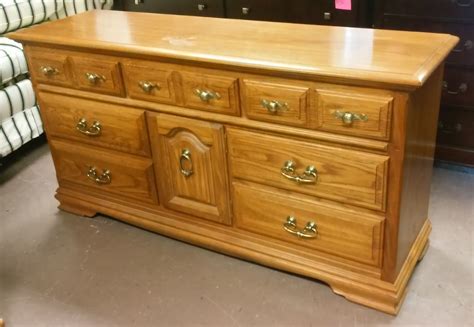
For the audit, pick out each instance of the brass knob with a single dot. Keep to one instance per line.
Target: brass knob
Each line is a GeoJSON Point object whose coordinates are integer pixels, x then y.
{"type": "Point", "coordinates": [349, 117]}
{"type": "Point", "coordinates": [94, 130]}
{"type": "Point", "coordinates": [207, 95]}
{"type": "Point", "coordinates": [245, 11]}
{"type": "Point", "coordinates": [148, 87]}
{"type": "Point", "coordinates": [100, 179]}
{"type": "Point", "coordinates": [202, 7]}
{"type": "Point", "coordinates": [309, 176]}
{"type": "Point", "coordinates": [274, 106]}
{"type": "Point", "coordinates": [94, 78]}
{"type": "Point", "coordinates": [327, 16]}
{"type": "Point", "coordinates": [48, 70]}
{"type": "Point", "coordinates": [309, 231]}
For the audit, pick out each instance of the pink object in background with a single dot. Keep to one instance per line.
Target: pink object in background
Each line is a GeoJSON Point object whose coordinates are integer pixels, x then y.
{"type": "Point", "coordinates": [344, 4]}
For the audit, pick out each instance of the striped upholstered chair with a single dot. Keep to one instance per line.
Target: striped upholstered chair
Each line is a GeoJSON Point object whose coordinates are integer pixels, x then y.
{"type": "Point", "coordinates": [20, 119]}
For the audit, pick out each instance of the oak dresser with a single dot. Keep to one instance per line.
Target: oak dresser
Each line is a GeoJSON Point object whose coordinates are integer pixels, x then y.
{"type": "Point", "coordinates": [304, 148]}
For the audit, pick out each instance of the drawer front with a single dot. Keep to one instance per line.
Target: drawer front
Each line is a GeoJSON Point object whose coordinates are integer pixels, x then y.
{"type": "Point", "coordinates": [210, 92]}
{"type": "Point", "coordinates": [97, 74]}
{"type": "Point", "coordinates": [338, 174]}
{"type": "Point", "coordinates": [149, 81]}
{"type": "Point", "coordinates": [191, 166]}
{"type": "Point", "coordinates": [106, 171]}
{"type": "Point", "coordinates": [276, 102]}
{"type": "Point", "coordinates": [49, 69]}
{"type": "Point", "coordinates": [95, 123]}
{"type": "Point", "coordinates": [432, 8]}
{"type": "Point", "coordinates": [463, 54]}
{"type": "Point", "coordinates": [213, 8]}
{"type": "Point", "coordinates": [359, 112]}
{"type": "Point", "coordinates": [456, 127]}
{"type": "Point", "coordinates": [458, 87]}
{"type": "Point", "coordinates": [282, 215]}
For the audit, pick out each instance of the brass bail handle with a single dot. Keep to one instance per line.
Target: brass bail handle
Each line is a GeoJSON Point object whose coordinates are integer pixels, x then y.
{"type": "Point", "coordinates": [94, 130]}
{"type": "Point", "coordinates": [207, 95]}
{"type": "Point", "coordinates": [309, 231]}
{"type": "Point", "coordinates": [185, 156]}
{"type": "Point", "coordinates": [348, 117]}
{"type": "Point", "coordinates": [94, 78]}
{"type": "Point", "coordinates": [274, 106]}
{"type": "Point", "coordinates": [101, 179]}
{"type": "Point", "coordinates": [309, 176]}
{"type": "Point", "coordinates": [148, 86]}
{"type": "Point", "coordinates": [48, 70]}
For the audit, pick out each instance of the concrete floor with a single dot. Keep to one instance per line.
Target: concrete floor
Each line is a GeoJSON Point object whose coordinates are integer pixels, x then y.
{"type": "Point", "coordinates": [59, 269]}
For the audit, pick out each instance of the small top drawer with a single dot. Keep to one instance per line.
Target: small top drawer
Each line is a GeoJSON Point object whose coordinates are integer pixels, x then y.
{"type": "Point", "coordinates": [97, 74]}
{"type": "Point", "coordinates": [359, 112]}
{"type": "Point", "coordinates": [343, 175]}
{"type": "Point", "coordinates": [206, 91]}
{"type": "Point", "coordinates": [277, 102]}
{"type": "Point", "coordinates": [46, 68]}
{"type": "Point", "coordinates": [150, 81]}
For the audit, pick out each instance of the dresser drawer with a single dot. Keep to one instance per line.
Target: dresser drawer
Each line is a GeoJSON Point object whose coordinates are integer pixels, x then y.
{"type": "Point", "coordinates": [106, 171]}
{"type": "Point", "coordinates": [286, 217]}
{"type": "Point", "coordinates": [434, 8]}
{"type": "Point", "coordinates": [343, 175]}
{"type": "Point", "coordinates": [458, 87]}
{"type": "Point", "coordinates": [456, 127]}
{"type": "Point", "coordinates": [97, 74]}
{"type": "Point", "coordinates": [354, 111]}
{"type": "Point", "coordinates": [96, 123]}
{"type": "Point", "coordinates": [49, 69]}
{"type": "Point", "coordinates": [277, 102]}
{"type": "Point", "coordinates": [146, 80]}
{"type": "Point", "coordinates": [463, 54]}
{"type": "Point", "coordinates": [210, 92]}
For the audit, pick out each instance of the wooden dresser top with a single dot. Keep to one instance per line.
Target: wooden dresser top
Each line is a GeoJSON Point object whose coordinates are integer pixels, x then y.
{"type": "Point", "coordinates": [398, 59]}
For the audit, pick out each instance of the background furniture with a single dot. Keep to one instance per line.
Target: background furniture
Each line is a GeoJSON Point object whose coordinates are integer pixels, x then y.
{"type": "Point", "coordinates": [456, 122]}
{"type": "Point", "coordinates": [308, 158]}
{"type": "Point", "coordinates": [295, 11]}
{"type": "Point", "coordinates": [20, 119]}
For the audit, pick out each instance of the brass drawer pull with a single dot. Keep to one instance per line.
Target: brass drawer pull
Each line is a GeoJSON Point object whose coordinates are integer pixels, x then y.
{"type": "Point", "coordinates": [148, 87]}
{"type": "Point", "coordinates": [274, 106]}
{"type": "Point", "coordinates": [309, 231]}
{"type": "Point", "coordinates": [461, 89]}
{"type": "Point", "coordinates": [101, 179]}
{"type": "Point", "coordinates": [48, 70]}
{"type": "Point", "coordinates": [245, 10]}
{"type": "Point", "coordinates": [309, 176]}
{"type": "Point", "coordinates": [185, 156]}
{"type": "Point", "coordinates": [207, 95]}
{"type": "Point", "coordinates": [349, 117]}
{"type": "Point", "coordinates": [202, 7]}
{"type": "Point", "coordinates": [94, 78]}
{"type": "Point", "coordinates": [468, 45]}
{"type": "Point", "coordinates": [94, 130]}
{"type": "Point", "coordinates": [463, 4]}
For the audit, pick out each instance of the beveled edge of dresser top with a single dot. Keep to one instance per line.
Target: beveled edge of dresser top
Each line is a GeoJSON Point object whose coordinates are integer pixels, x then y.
{"type": "Point", "coordinates": [391, 59]}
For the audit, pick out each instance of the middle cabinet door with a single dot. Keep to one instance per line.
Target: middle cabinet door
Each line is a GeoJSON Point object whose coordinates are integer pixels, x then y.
{"type": "Point", "coordinates": [190, 165]}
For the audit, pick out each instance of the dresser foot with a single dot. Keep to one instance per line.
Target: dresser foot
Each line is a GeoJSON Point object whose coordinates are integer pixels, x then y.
{"type": "Point", "coordinates": [75, 208]}
{"type": "Point", "coordinates": [425, 249]}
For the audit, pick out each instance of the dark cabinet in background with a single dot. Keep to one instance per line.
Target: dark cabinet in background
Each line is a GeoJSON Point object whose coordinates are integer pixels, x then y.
{"type": "Point", "coordinates": [294, 11]}
{"type": "Point", "coordinates": [455, 142]}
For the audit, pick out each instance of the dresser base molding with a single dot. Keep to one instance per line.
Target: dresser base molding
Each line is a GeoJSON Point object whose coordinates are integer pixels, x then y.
{"type": "Point", "coordinates": [369, 291]}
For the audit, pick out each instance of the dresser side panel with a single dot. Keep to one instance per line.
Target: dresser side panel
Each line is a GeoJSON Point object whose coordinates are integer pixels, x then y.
{"type": "Point", "coordinates": [422, 118]}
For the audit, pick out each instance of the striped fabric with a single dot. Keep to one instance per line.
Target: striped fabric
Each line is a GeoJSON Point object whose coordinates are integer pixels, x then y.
{"type": "Point", "coordinates": [15, 14]}
{"type": "Point", "coordinates": [12, 60]}
{"type": "Point", "coordinates": [20, 120]}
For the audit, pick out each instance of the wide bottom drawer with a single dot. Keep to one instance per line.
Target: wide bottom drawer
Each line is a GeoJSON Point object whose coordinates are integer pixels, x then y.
{"type": "Point", "coordinates": [299, 220]}
{"type": "Point", "coordinates": [108, 171]}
